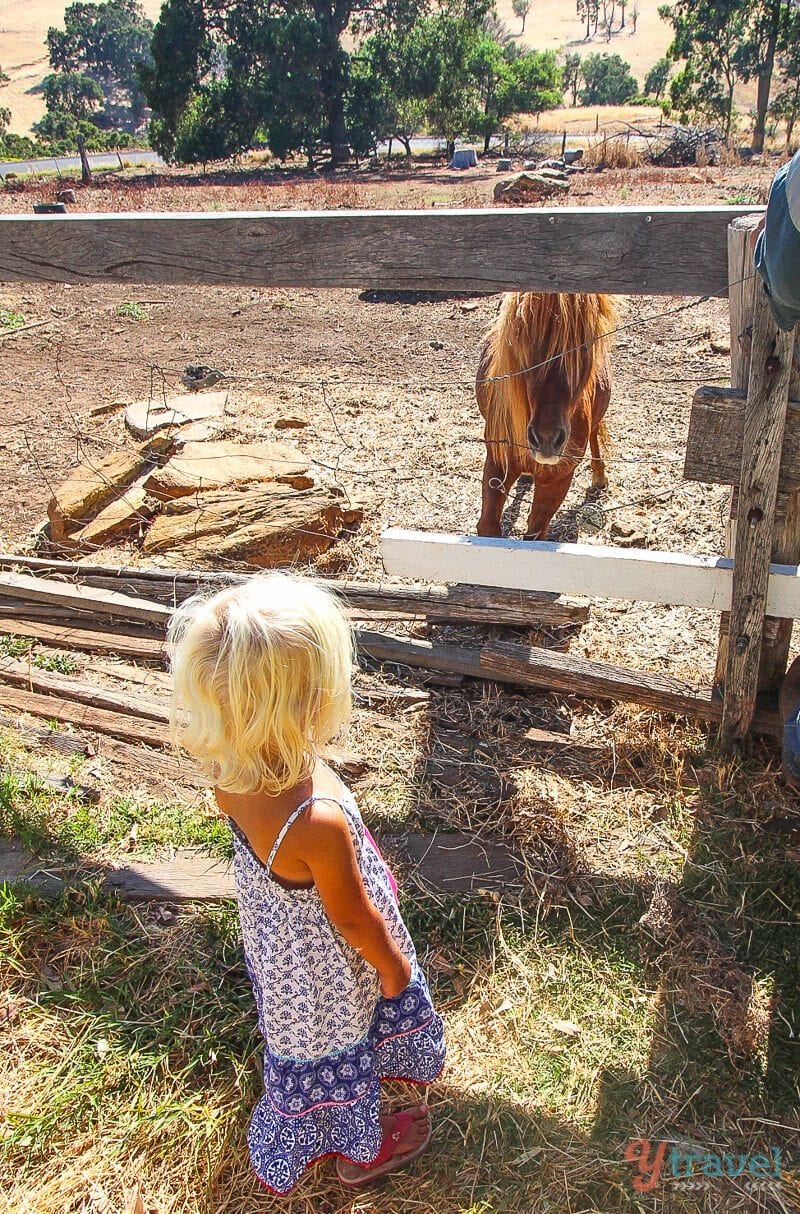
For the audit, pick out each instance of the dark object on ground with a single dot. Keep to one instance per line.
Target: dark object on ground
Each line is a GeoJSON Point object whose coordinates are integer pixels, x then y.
{"type": "Point", "coordinates": [49, 208]}
{"type": "Point", "coordinates": [65, 196]}
{"type": "Point", "coordinates": [681, 145]}
{"type": "Point", "coordinates": [197, 376]}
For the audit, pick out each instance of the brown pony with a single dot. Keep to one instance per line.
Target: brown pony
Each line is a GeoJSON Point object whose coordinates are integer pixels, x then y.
{"type": "Point", "coordinates": [543, 386]}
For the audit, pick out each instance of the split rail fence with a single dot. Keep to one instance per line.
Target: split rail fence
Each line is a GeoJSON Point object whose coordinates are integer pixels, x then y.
{"type": "Point", "coordinates": [747, 436]}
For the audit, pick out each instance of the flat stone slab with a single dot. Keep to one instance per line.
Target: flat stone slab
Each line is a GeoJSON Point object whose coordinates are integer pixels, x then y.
{"type": "Point", "coordinates": [145, 417]}
{"type": "Point", "coordinates": [446, 863]}
{"type": "Point", "coordinates": [90, 487]}
{"type": "Point", "coordinates": [124, 518]}
{"type": "Point", "coordinates": [265, 524]}
{"type": "Point", "coordinates": [218, 465]}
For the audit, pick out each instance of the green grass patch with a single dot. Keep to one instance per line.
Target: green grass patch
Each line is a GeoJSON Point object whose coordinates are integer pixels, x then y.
{"type": "Point", "coordinates": [19, 647]}
{"type": "Point", "coordinates": [60, 825]}
{"type": "Point", "coordinates": [131, 311]}
{"type": "Point", "coordinates": [9, 319]}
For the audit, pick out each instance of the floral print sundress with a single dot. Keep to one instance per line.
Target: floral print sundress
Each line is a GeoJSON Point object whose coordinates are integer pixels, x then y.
{"type": "Point", "coordinates": [329, 1035]}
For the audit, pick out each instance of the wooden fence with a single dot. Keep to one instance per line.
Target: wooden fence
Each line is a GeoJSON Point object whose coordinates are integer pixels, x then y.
{"type": "Point", "coordinates": [685, 251]}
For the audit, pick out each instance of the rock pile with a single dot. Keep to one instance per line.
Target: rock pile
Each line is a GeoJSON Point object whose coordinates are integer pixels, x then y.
{"type": "Point", "coordinates": [185, 492]}
{"type": "Point", "coordinates": [527, 187]}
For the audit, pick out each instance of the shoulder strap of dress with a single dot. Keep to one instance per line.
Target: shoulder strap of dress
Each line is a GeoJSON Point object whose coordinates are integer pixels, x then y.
{"type": "Point", "coordinates": [281, 835]}
{"type": "Point", "coordinates": [295, 814]}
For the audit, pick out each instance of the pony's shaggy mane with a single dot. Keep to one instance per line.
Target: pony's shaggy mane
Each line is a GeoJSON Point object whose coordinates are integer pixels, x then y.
{"type": "Point", "coordinates": [533, 330]}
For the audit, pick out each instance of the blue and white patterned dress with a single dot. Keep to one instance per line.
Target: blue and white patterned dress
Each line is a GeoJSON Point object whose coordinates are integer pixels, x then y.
{"type": "Point", "coordinates": [329, 1035]}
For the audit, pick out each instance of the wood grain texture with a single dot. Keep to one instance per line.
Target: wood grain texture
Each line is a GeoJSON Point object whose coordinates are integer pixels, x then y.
{"type": "Point", "coordinates": [23, 674]}
{"type": "Point", "coordinates": [633, 250]}
{"type": "Point", "coordinates": [73, 712]}
{"type": "Point", "coordinates": [105, 603]}
{"type": "Point", "coordinates": [92, 640]}
{"type": "Point", "coordinates": [505, 662]}
{"type": "Point", "coordinates": [741, 294]}
{"type": "Point", "coordinates": [461, 603]}
{"type": "Point", "coordinates": [714, 443]}
{"type": "Point", "coordinates": [777, 636]}
{"type": "Point", "coordinates": [575, 675]}
{"type": "Point", "coordinates": [764, 423]}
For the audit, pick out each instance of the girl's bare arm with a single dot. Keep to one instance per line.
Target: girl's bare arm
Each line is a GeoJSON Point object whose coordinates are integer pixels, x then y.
{"type": "Point", "coordinates": [326, 846]}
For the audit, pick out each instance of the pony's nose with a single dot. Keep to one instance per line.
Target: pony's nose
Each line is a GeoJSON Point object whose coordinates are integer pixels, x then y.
{"type": "Point", "coordinates": [548, 445]}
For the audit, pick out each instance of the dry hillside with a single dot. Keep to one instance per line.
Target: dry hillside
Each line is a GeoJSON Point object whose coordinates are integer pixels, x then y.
{"type": "Point", "coordinates": [23, 56]}
{"type": "Point", "coordinates": [551, 24]}
{"type": "Point", "coordinates": [554, 24]}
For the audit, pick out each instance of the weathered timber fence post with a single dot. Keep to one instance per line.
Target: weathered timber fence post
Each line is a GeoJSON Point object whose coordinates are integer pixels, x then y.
{"type": "Point", "coordinates": [764, 422]}
{"type": "Point", "coordinates": [741, 293]}
{"type": "Point", "coordinates": [786, 535]}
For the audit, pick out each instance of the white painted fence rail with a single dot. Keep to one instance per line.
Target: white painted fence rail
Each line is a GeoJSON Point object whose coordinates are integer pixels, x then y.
{"type": "Point", "coordinates": [580, 569]}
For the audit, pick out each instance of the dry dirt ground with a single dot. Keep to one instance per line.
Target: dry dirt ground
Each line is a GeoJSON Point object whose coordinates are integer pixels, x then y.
{"type": "Point", "coordinates": [384, 381]}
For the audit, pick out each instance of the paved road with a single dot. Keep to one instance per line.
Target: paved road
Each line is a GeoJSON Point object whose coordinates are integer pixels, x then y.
{"type": "Point", "coordinates": [67, 164]}
{"type": "Point", "coordinates": [109, 160]}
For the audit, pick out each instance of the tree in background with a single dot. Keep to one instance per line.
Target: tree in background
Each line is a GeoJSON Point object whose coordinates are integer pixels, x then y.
{"type": "Point", "coordinates": [723, 42]}
{"type": "Point", "coordinates": [5, 112]}
{"type": "Point", "coordinates": [609, 8]}
{"type": "Point", "coordinates": [772, 27]}
{"type": "Point", "coordinates": [107, 43]}
{"type": "Point", "coordinates": [71, 92]}
{"type": "Point", "coordinates": [509, 81]}
{"type": "Point", "coordinates": [589, 11]}
{"type": "Point", "coordinates": [281, 69]}
{"type": "Point", "coordinates": [452, 110]}
{"type": "Point", "coordinates": [460, 76]}
{"type": "Point", "coordinates": [607, 80]}
{"type": "Point", "coordinates": [521, 9]}
{"type": "Point", "coordinates": [572, 75]}
{"type": "Point", "coordinates": [657, 79]}
{"type": "Point", "coordinates": [786, 105]}
{"type": "Point", "coordinates": [405, 71]}
{"type": "Point", "coordinates": [708, 36]}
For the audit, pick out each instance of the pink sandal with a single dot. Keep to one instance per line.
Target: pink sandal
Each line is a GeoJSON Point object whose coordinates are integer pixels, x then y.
{"type": "Point", "coordinates": [386, 1160]}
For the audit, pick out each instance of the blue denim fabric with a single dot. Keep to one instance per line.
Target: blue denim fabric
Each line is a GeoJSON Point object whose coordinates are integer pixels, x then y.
{"type": "Point", "coordinates": [777, 256]}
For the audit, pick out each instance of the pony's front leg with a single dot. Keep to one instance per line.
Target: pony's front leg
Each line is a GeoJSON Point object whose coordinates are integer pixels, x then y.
{"type": "Point", "coordinates": [598, 466]}
{"type": "Point", "coordinates": [547, 497]}
{"type": "Point", "coordinates": [497, 484]}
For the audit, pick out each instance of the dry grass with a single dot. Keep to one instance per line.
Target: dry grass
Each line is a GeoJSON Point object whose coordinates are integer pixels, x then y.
{"type": "Point", "coordinates": [613, 152]}
{"type": "Point", "coordinates": [595, 119]}
{"type": "Point", "coordinates": [577, 1018]}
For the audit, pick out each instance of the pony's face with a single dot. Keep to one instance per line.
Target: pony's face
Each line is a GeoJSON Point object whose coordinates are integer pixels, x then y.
{"type": "Point", "coordinates": [550, 409]}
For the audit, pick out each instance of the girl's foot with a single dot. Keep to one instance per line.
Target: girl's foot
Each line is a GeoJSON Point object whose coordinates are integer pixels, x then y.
{"type": "Point", "coordinates": [405, 1137]}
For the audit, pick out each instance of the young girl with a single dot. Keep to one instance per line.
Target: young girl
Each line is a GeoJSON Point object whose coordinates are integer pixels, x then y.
{"type": "Point", "coordinates": [261, 684]}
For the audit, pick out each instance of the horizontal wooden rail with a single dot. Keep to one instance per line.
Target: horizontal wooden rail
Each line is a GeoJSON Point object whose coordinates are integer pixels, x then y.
{"type": "Point", "coordinates": [615, 573]}
{"type": "Point", "coordinates": [631, 250]}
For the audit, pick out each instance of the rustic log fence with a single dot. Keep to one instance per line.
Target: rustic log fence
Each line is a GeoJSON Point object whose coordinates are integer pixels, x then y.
{"type": "Point", "coordinates": [640, 251]}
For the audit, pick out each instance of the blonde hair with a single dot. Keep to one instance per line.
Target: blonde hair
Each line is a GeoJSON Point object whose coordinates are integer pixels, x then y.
{"type": "Point", "coordinates": [261, 681]}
